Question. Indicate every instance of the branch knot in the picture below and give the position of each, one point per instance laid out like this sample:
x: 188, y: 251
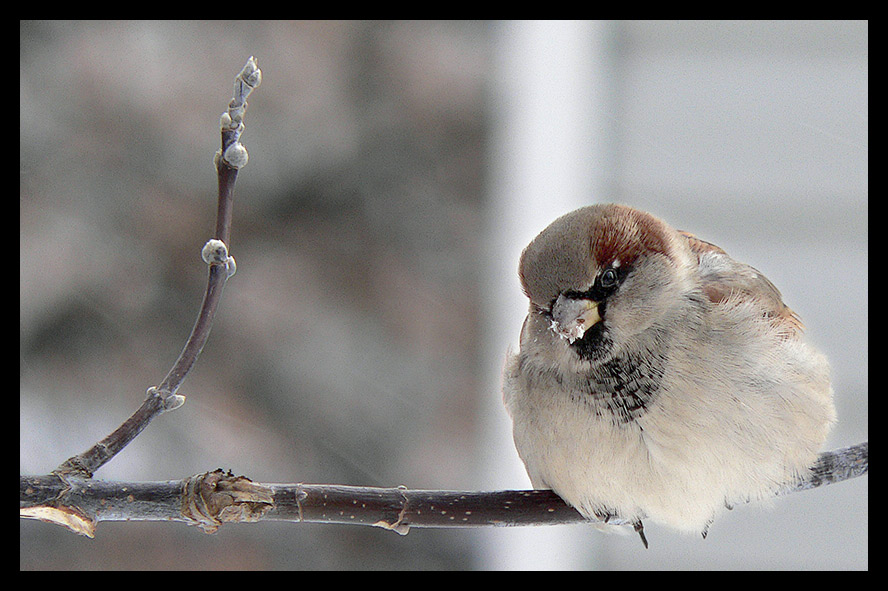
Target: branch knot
x: 213, y: 498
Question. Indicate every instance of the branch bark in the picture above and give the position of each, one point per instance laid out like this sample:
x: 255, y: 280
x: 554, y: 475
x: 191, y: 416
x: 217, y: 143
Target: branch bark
x: 211, y: 499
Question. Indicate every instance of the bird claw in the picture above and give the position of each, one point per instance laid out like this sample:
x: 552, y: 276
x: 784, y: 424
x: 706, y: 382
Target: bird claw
x: 639, y: 529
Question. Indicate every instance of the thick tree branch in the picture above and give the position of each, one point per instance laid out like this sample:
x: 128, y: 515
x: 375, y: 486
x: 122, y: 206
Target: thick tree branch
x: 211, y: 499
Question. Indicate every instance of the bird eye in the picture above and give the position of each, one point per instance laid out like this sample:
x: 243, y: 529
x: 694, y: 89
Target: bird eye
x: 608, y: 278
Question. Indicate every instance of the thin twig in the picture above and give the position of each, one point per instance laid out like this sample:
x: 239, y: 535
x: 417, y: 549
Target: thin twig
x: 231, y: 157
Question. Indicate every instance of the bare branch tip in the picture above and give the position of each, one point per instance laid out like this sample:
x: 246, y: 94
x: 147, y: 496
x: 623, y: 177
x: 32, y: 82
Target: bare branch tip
x: 251, y: 74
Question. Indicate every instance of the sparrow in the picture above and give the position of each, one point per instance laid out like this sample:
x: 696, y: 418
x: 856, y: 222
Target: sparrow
x: 657, y: 378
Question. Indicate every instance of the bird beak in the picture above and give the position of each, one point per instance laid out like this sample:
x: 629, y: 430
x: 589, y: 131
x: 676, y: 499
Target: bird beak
x: 571, y: 318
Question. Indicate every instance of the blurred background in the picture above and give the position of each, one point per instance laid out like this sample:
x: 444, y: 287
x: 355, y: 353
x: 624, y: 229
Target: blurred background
x: 396, y: 171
